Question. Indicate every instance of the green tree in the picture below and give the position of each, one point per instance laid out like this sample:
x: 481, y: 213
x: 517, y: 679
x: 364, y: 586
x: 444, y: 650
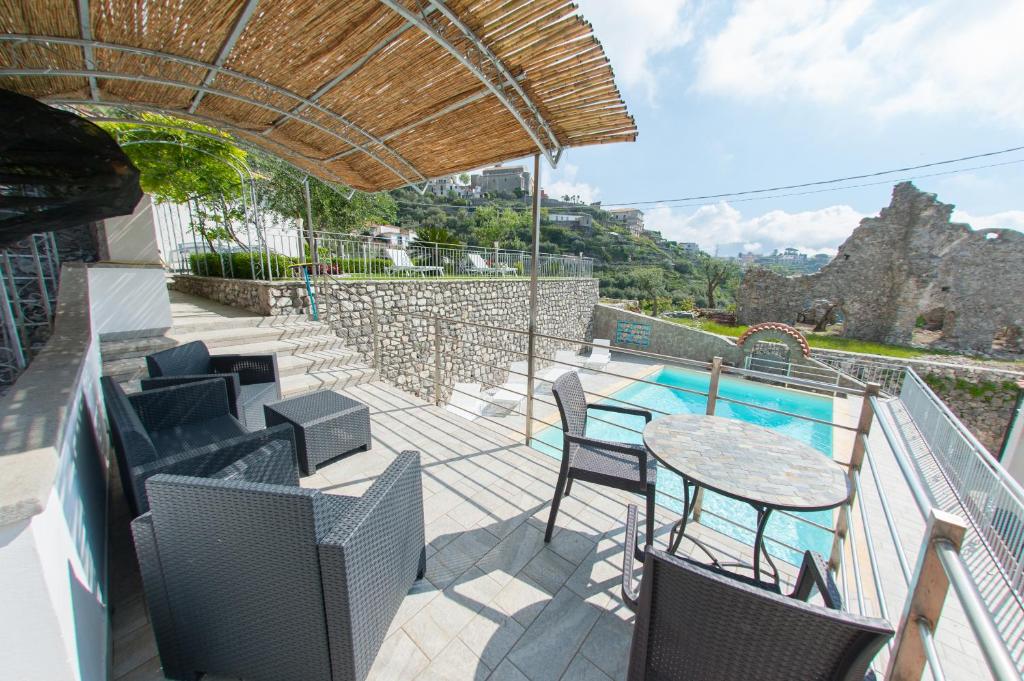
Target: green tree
x: 499, y: 225
x: 206, y: 171
x: 650, y: 282
x: 281, y: 191
x: 178, y: 165
x: 714, y: 274
x: 437, y: 235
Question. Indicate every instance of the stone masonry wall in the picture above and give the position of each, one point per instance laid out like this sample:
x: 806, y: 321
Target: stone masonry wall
x: 908, y: 262
x: 404, y: 311
x: 261, y: 297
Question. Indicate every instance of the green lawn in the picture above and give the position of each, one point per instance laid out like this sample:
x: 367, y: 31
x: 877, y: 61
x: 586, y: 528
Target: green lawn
x: 820, y: 340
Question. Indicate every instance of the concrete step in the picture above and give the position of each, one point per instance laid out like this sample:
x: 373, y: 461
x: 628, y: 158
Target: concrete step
x: 184, y: 326
x: 339, y: 377
x: 327, y: 352
x: 216, y: 338
x: 288, y: 346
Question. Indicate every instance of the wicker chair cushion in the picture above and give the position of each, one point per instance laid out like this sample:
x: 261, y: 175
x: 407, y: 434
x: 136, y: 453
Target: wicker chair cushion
x: 261, y: 466
x: 185, y: 360
x: 610, y: 468
x: 196, y: 435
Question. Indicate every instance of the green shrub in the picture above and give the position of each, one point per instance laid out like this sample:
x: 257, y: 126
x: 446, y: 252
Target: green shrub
x: 354, y: 265
x: 240, y: 265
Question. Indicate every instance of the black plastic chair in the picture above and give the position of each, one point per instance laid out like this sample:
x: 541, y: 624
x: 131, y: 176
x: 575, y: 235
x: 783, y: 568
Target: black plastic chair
x: 612, y: 464
x: 696, y: 623
x: 251, y: 380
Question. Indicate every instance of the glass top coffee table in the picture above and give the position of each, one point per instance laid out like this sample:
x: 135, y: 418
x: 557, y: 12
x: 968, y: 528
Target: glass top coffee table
x: 761, y: 467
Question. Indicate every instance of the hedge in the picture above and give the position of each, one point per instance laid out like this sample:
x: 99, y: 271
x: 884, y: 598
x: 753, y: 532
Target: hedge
x: 239, y: 265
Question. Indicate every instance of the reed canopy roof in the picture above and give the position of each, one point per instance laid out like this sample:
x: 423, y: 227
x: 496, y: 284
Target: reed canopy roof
x: 373, y: 94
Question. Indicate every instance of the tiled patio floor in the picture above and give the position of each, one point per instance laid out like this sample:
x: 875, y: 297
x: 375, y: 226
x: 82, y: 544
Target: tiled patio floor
x: 496, y: 602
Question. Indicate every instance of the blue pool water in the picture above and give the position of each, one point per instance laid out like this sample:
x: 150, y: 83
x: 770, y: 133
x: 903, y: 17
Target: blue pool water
x: 665, y: 400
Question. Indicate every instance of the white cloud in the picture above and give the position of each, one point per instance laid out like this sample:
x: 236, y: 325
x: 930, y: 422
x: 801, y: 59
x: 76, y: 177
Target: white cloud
x: 564, y: 182
x: 815, y: 231
x: 1008, y: 219
x: 632, y: 34
x: 873, y: 55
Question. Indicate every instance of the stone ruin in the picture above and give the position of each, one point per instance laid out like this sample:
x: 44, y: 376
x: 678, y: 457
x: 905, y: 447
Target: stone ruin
x: 907, y: 266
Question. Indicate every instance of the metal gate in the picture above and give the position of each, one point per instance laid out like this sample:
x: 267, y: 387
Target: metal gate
x: 30, y: 271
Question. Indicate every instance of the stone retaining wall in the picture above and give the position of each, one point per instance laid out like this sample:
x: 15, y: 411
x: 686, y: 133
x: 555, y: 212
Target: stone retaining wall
x: 261, y: 297
x: 404, y: 312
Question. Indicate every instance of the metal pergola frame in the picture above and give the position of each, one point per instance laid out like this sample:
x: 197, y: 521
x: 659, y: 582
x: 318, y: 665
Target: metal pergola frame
x: 432, y: 19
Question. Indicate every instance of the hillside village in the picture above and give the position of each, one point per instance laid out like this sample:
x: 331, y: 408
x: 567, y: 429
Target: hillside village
x: 632, y: 259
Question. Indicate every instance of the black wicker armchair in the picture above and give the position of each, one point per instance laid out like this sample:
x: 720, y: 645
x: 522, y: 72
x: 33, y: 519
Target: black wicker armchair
x: 184, y: 429
x: 696, y: 623
x: 247, y: 575
x: 251, y: 380
x: 612, y: 464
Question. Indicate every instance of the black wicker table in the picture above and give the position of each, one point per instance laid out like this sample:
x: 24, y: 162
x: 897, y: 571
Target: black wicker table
x: 327, y: 425
x: 758, y: 466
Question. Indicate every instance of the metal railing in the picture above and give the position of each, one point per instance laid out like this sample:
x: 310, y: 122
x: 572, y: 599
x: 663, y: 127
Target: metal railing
x: 264, y: 249
x: 888, y: 374
x: 434, y: 349
x: 992, y: 501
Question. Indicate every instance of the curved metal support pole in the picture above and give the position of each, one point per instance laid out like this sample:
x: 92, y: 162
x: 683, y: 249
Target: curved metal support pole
x: 487, y: 58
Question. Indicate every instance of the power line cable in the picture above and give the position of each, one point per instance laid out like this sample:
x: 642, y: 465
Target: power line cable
x: 820, y: 182
x: 739, y: 200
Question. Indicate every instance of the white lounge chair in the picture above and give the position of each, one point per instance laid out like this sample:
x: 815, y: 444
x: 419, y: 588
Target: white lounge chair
x: 542, y: 379
x: 600, y: 354
x: 401, y: 264
x: 465, y: 401
x: 477, y: 265
x: 504, y: 400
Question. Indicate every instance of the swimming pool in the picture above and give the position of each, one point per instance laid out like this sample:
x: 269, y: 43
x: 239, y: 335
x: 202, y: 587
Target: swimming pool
x: 669, y: 400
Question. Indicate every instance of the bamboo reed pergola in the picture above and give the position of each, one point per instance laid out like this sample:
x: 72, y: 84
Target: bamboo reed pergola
x: 372, y: 94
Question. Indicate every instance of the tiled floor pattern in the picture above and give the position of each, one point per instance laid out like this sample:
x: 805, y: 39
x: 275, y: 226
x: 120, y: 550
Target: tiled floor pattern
x: 497, y: 603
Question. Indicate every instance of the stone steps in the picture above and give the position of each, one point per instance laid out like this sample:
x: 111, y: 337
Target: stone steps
x: 210, y: 324
x: 326, y: 354
x: 309, y: 355
x: 339, y: 377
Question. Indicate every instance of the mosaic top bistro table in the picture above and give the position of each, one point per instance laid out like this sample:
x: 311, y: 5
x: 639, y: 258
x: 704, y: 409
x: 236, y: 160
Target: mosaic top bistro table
x: 764, y: 468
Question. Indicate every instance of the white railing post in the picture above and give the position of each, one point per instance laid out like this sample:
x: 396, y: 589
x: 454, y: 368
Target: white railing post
x: 925, y: 599
x: 842, y: 526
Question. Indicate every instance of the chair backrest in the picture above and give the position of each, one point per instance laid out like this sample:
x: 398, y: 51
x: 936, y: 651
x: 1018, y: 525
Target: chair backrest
x: 399, y: 257
x: 131, y: 442
x: 240, y: 566
x: 572, y: 403
x: 695, y: 624
x: 189, y: 359
x: 603, y: 348
x: 477, y: 261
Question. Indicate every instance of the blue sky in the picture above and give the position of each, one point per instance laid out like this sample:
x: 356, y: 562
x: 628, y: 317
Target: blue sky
x: 734, y: 96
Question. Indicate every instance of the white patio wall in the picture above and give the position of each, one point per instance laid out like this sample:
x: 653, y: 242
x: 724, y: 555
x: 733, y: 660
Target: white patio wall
x: 53, y: 505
